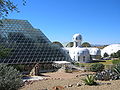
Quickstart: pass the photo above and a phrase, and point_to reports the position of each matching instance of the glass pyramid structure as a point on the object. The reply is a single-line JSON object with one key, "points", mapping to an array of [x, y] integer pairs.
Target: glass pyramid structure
{"points": [[21, 43]]}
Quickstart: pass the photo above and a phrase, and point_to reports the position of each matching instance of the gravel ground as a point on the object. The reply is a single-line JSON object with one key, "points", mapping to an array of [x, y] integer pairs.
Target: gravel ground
{"points": [[70, 81]]}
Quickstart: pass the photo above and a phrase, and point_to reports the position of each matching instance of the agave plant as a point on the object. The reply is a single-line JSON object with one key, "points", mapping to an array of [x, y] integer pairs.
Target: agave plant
{"points": [[106, 75], [116, 69], [89, 80]]}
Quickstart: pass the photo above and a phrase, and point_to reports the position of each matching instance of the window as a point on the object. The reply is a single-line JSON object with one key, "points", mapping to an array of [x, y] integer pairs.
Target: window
{"points": [[68, 52], [78, 58], [83, 58]]}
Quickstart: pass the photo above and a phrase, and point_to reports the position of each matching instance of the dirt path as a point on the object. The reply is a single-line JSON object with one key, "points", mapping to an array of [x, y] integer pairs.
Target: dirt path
{"points": [[67, 79]]}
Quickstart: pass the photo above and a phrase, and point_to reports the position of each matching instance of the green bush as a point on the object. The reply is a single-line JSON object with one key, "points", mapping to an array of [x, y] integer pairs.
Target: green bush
{"points": [[68, 69], [77, 64], [117, 61], [97, 67], [10, 78], [89, 80]]}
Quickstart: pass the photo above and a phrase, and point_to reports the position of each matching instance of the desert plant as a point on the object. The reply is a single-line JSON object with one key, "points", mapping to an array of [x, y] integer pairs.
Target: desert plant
{"points": [[116, 69], [97, 67], [106, 75], [10, 78], [68, 69], [89, 80]]}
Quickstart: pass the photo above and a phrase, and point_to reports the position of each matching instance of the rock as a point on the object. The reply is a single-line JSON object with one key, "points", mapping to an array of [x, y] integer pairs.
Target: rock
{"points": [[77, 75], [65, 86], [70, 85], [83, 83], [78, 84]]}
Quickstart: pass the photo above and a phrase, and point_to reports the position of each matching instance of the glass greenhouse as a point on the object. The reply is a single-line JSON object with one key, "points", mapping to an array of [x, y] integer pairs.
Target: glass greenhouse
{"points": [[21, 43]]}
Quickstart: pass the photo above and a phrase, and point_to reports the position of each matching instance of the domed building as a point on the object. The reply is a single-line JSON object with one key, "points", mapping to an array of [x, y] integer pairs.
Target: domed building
{"points": [[110, 49], [79, 53]]}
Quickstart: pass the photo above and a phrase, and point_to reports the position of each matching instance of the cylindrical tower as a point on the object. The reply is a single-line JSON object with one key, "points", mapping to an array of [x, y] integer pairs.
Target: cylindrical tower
{"points": [[77, 39]]}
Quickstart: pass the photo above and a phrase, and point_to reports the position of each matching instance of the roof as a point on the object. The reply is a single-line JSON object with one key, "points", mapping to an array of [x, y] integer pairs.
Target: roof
{"points": [[26, 45]]}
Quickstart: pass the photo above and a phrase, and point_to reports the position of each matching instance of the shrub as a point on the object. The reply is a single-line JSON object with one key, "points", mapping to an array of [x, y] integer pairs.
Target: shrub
{"points": [[10, 78], [82, 65], [106, 75], [89, 80], [97, 67], [68, 69], [117, 61], [77, 64]]}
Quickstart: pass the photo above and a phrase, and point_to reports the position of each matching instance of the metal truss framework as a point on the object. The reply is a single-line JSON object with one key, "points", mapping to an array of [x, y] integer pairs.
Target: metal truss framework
{"points": [[24, 44]]}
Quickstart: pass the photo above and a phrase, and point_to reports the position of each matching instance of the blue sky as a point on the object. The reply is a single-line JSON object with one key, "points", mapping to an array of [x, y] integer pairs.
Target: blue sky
{"points": [[98, 21]]}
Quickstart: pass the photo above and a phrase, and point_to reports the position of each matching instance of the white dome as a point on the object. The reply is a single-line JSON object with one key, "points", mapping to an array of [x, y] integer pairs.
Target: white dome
{"points": [[78, 54], [110, 49], [77, 38]]}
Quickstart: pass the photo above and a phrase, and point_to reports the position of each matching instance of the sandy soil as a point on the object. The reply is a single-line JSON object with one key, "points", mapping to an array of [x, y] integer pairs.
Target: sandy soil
{"points": [[69, 81]]}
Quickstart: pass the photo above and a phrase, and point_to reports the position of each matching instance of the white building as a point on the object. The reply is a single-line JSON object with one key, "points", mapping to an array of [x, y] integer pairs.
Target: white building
{"points": [[81, 54], [110, 49]]}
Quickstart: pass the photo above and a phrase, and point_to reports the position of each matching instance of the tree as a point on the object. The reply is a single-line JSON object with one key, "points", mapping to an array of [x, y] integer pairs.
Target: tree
{"points": [[105, 54], [70, 44], [7, 6], [113, 55], [10, 78], [57, 43], [86, 44], [116, 55]]}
